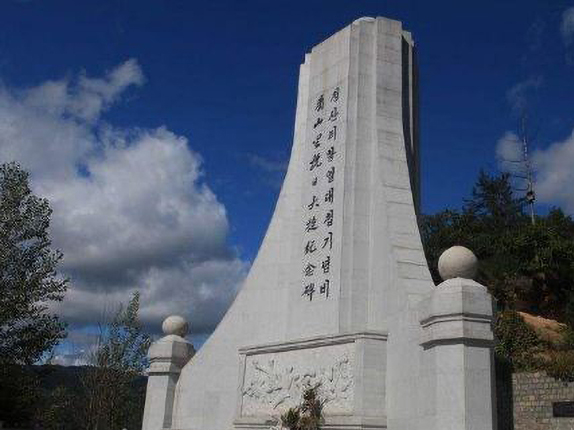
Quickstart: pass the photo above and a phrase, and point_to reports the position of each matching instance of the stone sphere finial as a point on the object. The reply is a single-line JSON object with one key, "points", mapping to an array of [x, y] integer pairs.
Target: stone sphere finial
{"points": [[457, 262], [175, 324]]}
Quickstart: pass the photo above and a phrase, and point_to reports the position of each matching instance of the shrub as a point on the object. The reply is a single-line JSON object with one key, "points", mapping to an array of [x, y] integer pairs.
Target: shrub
{"points": [[307, 416], [517, 343], [561, 366]]}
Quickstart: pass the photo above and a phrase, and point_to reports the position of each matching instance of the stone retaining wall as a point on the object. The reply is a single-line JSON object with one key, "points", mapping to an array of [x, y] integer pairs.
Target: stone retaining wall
{"points": [[532, 398]]}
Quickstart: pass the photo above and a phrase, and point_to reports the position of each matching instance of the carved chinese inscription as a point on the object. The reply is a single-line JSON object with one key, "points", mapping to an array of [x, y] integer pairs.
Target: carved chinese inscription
{"points": [[324, 149]]}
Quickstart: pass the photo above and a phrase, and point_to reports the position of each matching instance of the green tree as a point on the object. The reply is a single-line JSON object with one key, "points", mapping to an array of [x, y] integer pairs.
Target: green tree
{"points": [[19, 395], [113, 393], [525, 266], [59, 410], [28, 282], [493, 202], [28, 277]]}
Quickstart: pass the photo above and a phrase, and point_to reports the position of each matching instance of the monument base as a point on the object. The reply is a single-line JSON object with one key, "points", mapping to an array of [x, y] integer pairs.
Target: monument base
{"points": [[347, 370], [331, 423]]}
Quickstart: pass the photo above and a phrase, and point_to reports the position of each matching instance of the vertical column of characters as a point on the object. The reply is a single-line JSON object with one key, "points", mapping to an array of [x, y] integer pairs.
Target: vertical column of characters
{"points": [[320, 211]]}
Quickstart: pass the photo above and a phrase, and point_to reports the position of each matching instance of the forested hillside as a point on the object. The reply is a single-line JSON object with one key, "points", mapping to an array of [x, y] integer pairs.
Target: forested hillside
{"points": [[527, 266]]}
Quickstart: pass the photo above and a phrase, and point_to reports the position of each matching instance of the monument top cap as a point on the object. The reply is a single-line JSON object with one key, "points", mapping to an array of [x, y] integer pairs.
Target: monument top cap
{"points": [[457, 262], [175, 324], [364, 18]]}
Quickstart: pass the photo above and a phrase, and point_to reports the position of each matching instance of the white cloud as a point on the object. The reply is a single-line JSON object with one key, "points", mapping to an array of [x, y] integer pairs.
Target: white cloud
{"points": [[510, 157], [567, 26], [555, 174], [519, 94], [273, 169], [84, 98], [77, 348], [131, 209], [508, 149], [552, 167]]}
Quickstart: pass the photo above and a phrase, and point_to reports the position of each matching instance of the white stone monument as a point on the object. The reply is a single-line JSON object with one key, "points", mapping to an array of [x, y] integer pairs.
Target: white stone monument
{"points": [[340, 295]]}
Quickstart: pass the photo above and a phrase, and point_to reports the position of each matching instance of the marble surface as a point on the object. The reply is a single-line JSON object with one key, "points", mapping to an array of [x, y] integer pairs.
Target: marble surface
{"points": [[457, 262], [175, 324], [334, 292], [457, 337], [167, 357]]}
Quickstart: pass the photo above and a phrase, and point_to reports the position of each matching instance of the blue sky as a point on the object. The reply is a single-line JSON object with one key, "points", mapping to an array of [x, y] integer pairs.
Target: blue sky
{"points": [[222, 76]]}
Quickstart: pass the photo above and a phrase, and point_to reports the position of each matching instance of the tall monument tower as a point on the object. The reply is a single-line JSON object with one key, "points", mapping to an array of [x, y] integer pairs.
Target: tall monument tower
{"points": [[335, 296]]}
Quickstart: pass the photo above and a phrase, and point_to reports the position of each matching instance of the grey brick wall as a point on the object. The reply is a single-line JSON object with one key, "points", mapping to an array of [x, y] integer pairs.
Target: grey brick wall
{"points": [[532, 397]]}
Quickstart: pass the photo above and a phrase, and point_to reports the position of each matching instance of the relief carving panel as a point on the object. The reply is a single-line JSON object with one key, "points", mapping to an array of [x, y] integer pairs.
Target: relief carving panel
{"points": [[275, 382]]}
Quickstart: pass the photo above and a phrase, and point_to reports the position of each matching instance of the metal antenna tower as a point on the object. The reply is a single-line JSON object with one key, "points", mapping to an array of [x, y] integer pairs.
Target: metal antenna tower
{"points": [[524, 172], [530, 195]]}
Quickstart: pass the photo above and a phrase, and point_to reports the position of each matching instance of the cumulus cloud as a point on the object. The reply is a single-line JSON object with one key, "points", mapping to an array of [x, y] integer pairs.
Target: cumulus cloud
{"points": [[84, 98], [80, 347], [508, 148], [131, 208], [520, 93], [567, 26], [510, 156], [274, 169], [555, 174]]}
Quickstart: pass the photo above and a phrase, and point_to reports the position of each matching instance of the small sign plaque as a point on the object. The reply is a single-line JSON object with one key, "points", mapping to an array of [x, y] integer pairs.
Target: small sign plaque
{"points": [[563, 409]]}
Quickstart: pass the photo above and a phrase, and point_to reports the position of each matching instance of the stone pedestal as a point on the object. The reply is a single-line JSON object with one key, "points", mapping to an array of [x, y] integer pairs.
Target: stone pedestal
{"points": [[347, 370], [457, 337], [167, 357]]}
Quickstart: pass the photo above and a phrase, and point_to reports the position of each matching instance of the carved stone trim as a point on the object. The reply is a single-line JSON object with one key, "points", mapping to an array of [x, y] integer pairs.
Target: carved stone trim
{"points": [[312, 342], [470, 317]]}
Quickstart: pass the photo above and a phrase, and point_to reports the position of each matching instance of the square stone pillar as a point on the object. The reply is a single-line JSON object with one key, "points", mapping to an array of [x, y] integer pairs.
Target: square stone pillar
{"points": [[167, 357], [456, 319]]}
